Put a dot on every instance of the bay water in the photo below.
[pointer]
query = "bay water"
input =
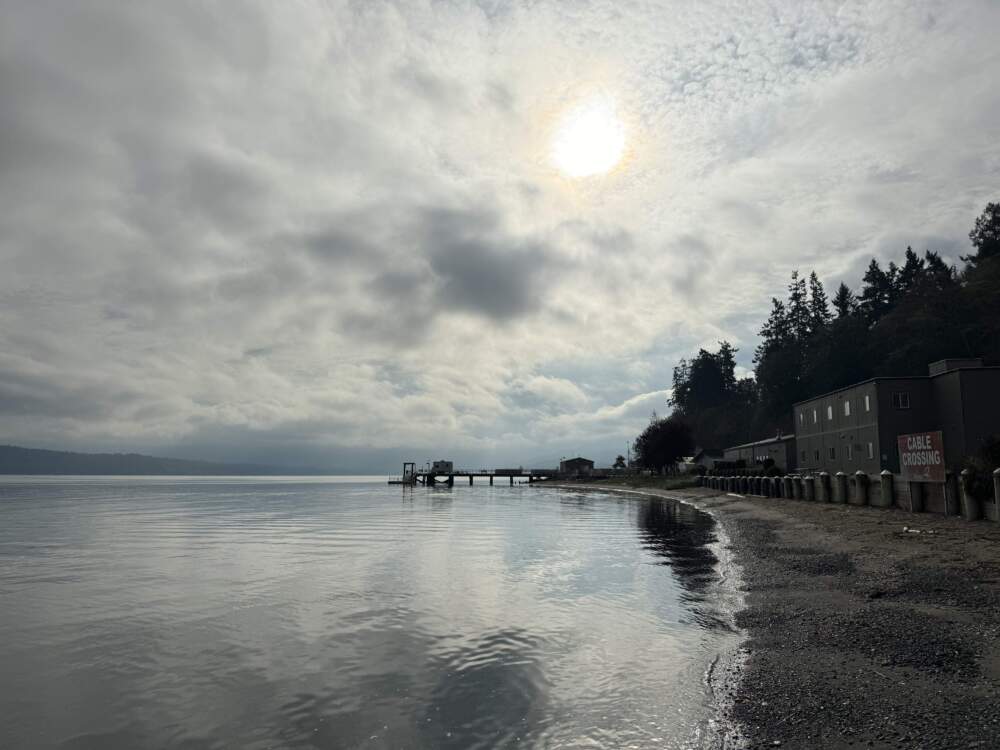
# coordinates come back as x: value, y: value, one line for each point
x: 341, y: 612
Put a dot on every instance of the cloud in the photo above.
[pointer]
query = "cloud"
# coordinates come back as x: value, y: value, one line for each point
x: 334, y: 232
x: 495, y: 276
x: 546, y: 394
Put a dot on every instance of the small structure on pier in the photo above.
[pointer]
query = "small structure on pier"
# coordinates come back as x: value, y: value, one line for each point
x: 409, y: 474
x: 576, y: 467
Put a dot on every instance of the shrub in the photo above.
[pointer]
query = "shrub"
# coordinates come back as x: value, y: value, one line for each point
x: 981, y: 469
x: 990, y: 452
x: 980, y: 482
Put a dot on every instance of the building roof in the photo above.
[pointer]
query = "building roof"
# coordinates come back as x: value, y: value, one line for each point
x: 576, y: 460
x: 891, y: 377
x: 709, y: 452
x: 769, y: 441
x: 953, y: 363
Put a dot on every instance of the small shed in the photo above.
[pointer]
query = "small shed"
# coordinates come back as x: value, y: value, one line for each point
x: 576, y: 467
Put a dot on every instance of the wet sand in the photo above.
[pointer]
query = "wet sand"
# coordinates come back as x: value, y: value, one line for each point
x: 860, y: 633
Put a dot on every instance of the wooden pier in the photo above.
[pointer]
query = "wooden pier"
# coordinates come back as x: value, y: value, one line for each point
x: 412, y: 476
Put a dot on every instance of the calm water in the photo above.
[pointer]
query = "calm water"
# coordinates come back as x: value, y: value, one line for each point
x: 249, y: 613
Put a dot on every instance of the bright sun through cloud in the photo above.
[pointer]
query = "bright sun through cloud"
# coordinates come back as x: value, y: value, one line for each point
x: 590, y: 139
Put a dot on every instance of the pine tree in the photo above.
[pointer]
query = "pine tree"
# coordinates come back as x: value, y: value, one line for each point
x: 911, y: 272
x: 985, y: 236
x: 798, y: 308
x: 878, y: 293
x: 894, y: 292
x: 776, y: 331
x: 937, y: 272
x: 708, y: 396
x: 727, y: 365
x: 819, y: 307
x: 844, y: 302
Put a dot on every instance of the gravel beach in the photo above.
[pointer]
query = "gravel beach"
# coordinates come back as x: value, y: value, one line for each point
x: 866, y: 628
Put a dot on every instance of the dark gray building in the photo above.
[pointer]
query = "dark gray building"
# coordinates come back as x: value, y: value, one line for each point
x: 576, y: 467
x: 855, y: 428
x: 779, y: 449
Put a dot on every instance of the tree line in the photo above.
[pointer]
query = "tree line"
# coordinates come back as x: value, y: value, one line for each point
x: 902, y: 317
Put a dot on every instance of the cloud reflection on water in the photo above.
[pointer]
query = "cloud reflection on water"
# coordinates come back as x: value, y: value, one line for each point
x: 204, y: 615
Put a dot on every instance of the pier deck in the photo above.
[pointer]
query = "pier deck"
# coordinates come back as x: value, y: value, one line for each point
x: 443, y: 472
x: 430, y: 478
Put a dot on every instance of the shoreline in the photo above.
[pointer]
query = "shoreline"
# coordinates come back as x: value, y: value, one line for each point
x: 866, y: 627
x: 722, y: 674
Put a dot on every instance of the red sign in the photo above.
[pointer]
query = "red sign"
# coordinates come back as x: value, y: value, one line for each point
x: 921, y: 457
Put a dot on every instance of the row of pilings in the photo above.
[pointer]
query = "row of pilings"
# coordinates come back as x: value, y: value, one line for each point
x: 885, y: 490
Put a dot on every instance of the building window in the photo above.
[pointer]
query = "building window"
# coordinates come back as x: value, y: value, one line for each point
x: 850, y: 451
x: 868, y: 403
x: 847, y: 408
x: 871, y: 451
x: 833, y: 453
x: 816, y: 452
x: 802, y: 417
x: 815, y: 416
x: 901, y: 400
x: 803, y: 455
x: 829, y: 412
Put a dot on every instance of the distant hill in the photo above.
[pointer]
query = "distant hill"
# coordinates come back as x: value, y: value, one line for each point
x: 15, y: 460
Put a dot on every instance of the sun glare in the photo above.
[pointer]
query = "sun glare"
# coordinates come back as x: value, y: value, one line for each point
x: 590, y: 139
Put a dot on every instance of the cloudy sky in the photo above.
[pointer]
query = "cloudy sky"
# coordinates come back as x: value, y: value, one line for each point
x: 342, y: 234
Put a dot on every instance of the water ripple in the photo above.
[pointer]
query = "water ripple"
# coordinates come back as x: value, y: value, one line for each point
x: 303, y: 613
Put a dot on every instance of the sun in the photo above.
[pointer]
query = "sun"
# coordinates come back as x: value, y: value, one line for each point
x: 590, y: 139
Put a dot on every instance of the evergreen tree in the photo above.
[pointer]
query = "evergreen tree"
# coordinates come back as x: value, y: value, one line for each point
x: 911, y: 272
x: 838, y: 357
x: 877, y: 293
x: 707, y: 394
x: 706, y: 381
x: 894, y: 292
x: 819, y: 308
x: 903, y: 317
x: 798, y: 308
x: 985, y: 235
x: 777, y: 331
x: 663, y: 443
x: 844, y: 302
x: 778, y: 364
x: 698, y: 384
x: 727, y: 365
x: 980, y: 291
x: 938, y: 273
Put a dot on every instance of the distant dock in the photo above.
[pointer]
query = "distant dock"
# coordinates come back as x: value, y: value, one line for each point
x: 430, y: 478
x: 444, y: 472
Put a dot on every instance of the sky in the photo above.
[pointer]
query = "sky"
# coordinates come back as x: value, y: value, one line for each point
x: 348, y: 234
